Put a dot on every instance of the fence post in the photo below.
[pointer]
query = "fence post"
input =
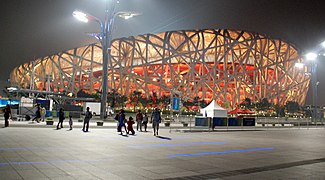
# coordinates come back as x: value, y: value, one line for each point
x: 191, y: 123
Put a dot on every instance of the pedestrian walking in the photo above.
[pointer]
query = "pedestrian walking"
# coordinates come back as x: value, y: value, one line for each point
x: 70, y: 122
x: 87, y: 118
x: 145, y: 121
x: 61, y: 118
x: 122, y: 122
x: 7, y: 115
x: 37, y: 117
x: 43, y: 113
x: 156, y: 119
x: 130, y: 125
x: 139, y: 118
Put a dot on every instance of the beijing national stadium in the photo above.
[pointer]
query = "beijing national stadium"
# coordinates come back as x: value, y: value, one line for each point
x: 225, y: 65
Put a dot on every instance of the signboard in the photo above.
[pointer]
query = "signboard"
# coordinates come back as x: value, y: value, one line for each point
x: 176, y: 103
x: 4, y: 102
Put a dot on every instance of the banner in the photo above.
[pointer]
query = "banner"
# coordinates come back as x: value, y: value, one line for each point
x: 176, y: 103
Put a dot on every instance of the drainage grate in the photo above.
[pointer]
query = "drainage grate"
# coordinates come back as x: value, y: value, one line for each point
x: 252, y: 170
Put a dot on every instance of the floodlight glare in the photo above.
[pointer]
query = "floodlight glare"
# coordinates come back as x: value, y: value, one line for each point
x: 299, y: 65
x: 80, y: 16
x: 311, y: 56
x: 127, y: 15
x: 323, y: 44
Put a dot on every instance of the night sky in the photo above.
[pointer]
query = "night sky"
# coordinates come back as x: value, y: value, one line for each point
x: 34, y: 28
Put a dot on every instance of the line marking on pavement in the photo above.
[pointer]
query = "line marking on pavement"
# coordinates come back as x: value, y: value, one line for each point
x: 50, y: 162
x: 176, y: 145
x: 25, y: 149
x: 131, y: 137
x: 220, y: 152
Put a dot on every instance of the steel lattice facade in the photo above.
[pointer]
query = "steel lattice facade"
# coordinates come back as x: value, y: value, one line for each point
x: 220, y: 64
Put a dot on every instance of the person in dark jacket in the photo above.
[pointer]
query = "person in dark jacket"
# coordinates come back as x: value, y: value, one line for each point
x: 37, y: 114
x: 156, y: 119
x: 145, y: 121
x: 61, y: 118
x: 130, y: 125
x: 122, y: 121
x: 139, y: 118
x: 7, y: 115
x: 88, y: 116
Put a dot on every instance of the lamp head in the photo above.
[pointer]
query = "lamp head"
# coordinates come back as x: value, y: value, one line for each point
x: 323, y: 44
x: 128, y: 15
x: 311, y: 56
x: 81, y: 16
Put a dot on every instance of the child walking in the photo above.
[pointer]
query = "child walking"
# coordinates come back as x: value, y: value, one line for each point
x: 70, y: 122
x: 130, y: 125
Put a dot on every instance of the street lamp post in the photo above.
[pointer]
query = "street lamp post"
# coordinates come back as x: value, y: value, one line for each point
x: 314, y: 84
x: 312, y: 57
x: 313, y: 66
x: 105, y: 38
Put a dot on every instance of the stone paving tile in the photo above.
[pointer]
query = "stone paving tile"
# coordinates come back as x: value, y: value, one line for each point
x: 107, y: 175
x: 31, y: 174
x: 150, y: 175
x: 6, y: 168
x: 52, y: 173
x: 102, y: 154
x: 125, y: 174
x: 44, y: 166
x: 181, y: 174
x: 23, y: 167
x: 11, y: 174
x: 63, y: 177
x: 162, y: 169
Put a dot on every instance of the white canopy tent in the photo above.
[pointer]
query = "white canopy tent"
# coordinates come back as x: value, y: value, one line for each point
x: 213, y: 110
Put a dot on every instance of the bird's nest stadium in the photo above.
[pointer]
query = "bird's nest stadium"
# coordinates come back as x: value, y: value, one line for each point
x: 225, y: 65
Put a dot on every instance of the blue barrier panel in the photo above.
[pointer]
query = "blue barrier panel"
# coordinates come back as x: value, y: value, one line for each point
x: 217, y: 121
x: 233, y: 122
x: 201, y: 121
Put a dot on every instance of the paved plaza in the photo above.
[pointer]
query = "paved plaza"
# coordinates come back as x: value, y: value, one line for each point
x: 46, y: 153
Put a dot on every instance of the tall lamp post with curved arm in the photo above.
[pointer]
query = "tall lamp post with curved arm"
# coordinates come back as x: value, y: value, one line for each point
x: 105, y: 38
x: 312, y: 58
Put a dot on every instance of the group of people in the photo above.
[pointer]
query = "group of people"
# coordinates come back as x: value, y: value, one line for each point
x: 61, y: 118
x: 40, y: 114
x: 141, y: 120
x: 88, y: 116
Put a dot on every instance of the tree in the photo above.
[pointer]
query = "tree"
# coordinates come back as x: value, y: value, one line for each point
x: 292, y: 107
x: 120, y: 100
x: 203, y: 104
x: 247, y: 103
x: 111, y: 97
x: 164, y: 100
x: 155, y: 98
x: 83, y: 94
x: 135, y: 98
x: 279, y: 110
x: 263, y: 105
x: 196, y: 101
